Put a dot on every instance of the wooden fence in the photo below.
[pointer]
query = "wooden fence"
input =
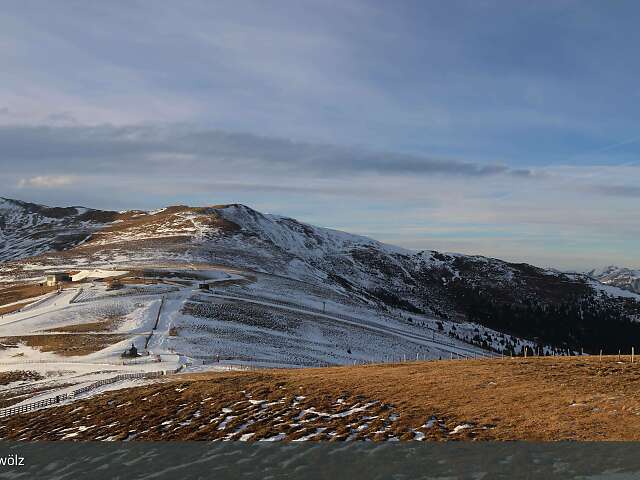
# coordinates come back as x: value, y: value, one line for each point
x: 27, y: 407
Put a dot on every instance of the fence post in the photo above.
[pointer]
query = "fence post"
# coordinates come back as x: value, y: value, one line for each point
x: 632, y: 354
x: 48, y: 401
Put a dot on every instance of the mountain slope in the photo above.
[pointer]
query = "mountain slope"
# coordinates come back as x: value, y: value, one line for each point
x: 542, y: 305
x: 626, y: 278
x: 28, y: 229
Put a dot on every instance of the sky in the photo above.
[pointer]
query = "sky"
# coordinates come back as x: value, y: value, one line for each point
x: 500, y: 128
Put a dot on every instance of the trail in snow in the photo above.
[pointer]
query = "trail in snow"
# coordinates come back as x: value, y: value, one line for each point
x: 54, y: 303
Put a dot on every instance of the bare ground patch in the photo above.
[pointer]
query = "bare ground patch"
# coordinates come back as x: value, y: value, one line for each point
x: 107, y: 325
x: 66, y: 344
x: 18, y: 375
x: 22, y: 292
x: 13, y: 308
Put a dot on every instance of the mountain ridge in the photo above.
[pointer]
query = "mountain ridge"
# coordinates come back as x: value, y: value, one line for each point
x: 516, y: 298
x: 621, y: 277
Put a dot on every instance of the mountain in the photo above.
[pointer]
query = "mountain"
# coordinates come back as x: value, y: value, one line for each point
x: 28, y: 229
x: 625, y: 278
x: 545, y: 306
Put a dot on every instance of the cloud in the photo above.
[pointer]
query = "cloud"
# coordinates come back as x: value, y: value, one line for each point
x: 501, y: 81
x: 460, y: 116
x: 61, y: 118
x: 140, y: 148
x: 630, y: 191
x: 46, y: 181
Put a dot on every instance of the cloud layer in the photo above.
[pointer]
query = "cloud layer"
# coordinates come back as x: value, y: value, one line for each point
x: 139, y: 148
x: 568, y: 216
x: 489, y: 127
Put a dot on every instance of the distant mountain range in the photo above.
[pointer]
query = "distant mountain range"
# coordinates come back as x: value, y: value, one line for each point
x: 574, y: 310
x: 621, y: 277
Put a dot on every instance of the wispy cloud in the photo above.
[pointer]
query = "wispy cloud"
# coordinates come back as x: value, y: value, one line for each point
x: 46, y: 181
x: 631, y: 191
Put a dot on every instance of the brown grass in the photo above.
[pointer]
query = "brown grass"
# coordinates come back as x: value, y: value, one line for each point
x: 150, y: 223
x: 65, y: 344
x: 22, y: 292
x: 577, y: 398
x: 18, y: 375
x: 107, y: 325
x: 13, y: 308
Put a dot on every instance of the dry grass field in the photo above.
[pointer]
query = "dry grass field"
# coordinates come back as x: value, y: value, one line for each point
x: 552, y: 398
x: 16, y: 293
x: 66, y: 344
x: 107, y: 325
x: 13, y: 308
x: 16, y: 376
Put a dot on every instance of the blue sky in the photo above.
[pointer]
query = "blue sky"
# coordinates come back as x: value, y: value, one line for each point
x: 503, y: 128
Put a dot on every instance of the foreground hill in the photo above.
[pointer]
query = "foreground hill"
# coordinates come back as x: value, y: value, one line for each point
x: 544, y: 306
x: 551, y: 399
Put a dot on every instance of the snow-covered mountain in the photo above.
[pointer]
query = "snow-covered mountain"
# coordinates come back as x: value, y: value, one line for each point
x: 28, y: 229
x: 521, y: 299
x: 626, y: 278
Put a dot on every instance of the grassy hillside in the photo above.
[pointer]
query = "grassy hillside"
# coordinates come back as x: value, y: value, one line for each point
x: 552, y: 398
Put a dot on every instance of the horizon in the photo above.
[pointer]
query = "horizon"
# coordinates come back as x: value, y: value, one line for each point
x: 218, y: 205
x: 492, y: 128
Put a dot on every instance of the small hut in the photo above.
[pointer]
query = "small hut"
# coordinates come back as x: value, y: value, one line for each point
x: 131, y: 353
x: 53, y: 278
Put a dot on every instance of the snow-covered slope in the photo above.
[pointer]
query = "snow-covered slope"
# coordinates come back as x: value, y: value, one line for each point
x: 625, y: 278
x: 521, y: 299
x: 298, y: 238
x: 28, y: 229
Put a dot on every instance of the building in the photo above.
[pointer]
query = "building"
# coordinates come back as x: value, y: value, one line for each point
x: 54, y: 278
x: 97, y: 274
x: 131, y: 353
x: 114, y: 284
